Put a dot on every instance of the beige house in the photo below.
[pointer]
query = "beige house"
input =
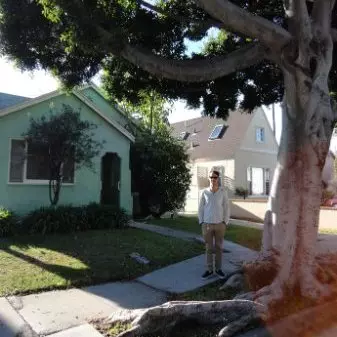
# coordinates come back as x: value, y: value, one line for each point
x: 243, y: 148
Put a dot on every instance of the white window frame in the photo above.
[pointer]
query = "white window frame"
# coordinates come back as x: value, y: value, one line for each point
x: 250, y: 179
x: 25, y: 180
x: 258, y: 138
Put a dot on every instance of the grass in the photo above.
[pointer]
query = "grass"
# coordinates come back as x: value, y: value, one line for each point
x: 35, y: 263
x: 245, y: 236
x: 331, y: 231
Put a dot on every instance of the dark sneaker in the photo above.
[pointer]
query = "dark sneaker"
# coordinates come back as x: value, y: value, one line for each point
x: 220, y: 273
x: 207, y: 274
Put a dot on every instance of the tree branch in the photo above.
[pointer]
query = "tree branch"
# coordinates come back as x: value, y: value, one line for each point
x: 321, y: 15
x: 334, y: 34
x: 193, y: 71
x: 206, y: 24
x: 303, y: 22
x: 240, y: 20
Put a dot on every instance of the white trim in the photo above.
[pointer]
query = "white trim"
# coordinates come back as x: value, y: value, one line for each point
x: 37, y: 183
x: 258, y: 150
x: 109, y: 121
x: 29, y: 103
x: 25, y: 180
x: 56, y: 93
x: 98, y: 91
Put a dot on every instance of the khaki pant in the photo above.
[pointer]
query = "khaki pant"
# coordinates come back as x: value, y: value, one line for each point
x: 213, y: 235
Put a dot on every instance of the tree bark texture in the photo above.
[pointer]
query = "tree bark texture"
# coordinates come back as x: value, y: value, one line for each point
x: 294, y: 202
x: 232, y: 315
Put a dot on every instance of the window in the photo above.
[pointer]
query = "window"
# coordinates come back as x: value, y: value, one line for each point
x: 259, y: 135
x: 267, y: 181
x: 218, y: 132
x: 258, y: 181
x: 30, y: 163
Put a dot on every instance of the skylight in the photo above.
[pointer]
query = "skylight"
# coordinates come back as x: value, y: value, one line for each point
x: 218, y: 132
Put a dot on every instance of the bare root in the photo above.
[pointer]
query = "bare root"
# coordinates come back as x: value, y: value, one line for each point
x: 234, y: 315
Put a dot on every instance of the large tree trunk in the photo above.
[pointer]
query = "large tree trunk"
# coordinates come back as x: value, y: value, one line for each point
x: 296, y: 191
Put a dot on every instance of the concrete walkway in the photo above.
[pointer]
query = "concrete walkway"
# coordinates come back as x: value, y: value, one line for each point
x: 66, y: 313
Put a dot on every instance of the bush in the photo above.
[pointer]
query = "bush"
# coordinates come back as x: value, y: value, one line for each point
x: 7, y: 222
x: 66, y: 219
x: 160, y: 172
x: 241, y: 192
x: 104, y: 216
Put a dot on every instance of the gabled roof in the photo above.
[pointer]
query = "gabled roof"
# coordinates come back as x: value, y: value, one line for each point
x: 33, y: 101
x: 199, y: 129
x: 7, y: 100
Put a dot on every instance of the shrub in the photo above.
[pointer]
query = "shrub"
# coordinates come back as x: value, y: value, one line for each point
x: 242, y: 192
x: 67, y: 218
x: 105, y: 216
x: 7, y: 222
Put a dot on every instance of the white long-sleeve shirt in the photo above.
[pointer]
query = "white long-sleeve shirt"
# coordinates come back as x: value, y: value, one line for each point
x: 214, y: 206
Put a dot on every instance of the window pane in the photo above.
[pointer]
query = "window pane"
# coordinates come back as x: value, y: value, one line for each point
x: 260, y: 135
x: 257, y: 180
x: 218, y: 132
x: 37, y: 162
x: 17, y: 161
x: 249, y: 173
x: 267, y: 174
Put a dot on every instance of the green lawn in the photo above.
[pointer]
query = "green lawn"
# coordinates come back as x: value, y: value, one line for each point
x: 245, y: 236
x: 34, y: 263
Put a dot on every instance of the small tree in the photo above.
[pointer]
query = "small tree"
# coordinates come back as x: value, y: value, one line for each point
x: 66, y: 141
x: 159, y: 171
x: 151, y: 107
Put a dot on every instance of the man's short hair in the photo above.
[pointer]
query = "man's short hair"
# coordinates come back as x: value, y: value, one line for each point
x: 217, y: 173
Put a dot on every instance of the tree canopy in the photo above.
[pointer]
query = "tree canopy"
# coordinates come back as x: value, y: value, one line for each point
x: 142, y: 46
x: 151, y: 111
x: 265, y: 50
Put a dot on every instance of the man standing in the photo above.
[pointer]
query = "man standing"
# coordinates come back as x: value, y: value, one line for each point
x: 214, y: 217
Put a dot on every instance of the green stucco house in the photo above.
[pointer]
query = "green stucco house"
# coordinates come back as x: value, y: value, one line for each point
x: 23, y: 179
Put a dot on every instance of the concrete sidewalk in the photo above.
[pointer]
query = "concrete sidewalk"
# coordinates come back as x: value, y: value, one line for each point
x: 66, y: 313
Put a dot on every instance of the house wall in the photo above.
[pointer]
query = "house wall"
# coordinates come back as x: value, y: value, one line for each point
x: 252, y: 153
x: 198, y: 184
x: 245, y: 158
x: 249, y: 141
x: 25, y: 197
x: 104, y: 106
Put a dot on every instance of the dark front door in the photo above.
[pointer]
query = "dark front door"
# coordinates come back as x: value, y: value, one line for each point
x: 110, y: 177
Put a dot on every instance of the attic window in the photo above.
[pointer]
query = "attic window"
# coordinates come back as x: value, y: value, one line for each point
x: 218, y: 132
x: 184, y: 135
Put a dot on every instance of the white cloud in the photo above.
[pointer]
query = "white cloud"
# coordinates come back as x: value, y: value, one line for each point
x: 30, y: 84
x: 181, y: 112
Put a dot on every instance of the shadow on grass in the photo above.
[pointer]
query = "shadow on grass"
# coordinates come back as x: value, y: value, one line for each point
x: 34, y: 263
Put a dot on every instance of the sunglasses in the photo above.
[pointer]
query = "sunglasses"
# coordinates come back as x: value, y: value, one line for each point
x: 213, y: 177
